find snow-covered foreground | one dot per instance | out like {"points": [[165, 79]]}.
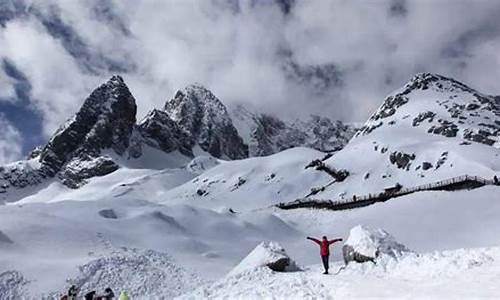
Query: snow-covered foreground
{"points": [[172, 249], [458, 274], [166, 232]]}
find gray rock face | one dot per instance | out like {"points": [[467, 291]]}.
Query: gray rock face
{"points": [[160, 131], [426, 165], [105, 121], [401, 160], [79, 169], [272, 135], [205, 119], [366, 244], [445, 128], [349, 254], [428, 115], [267, 134]]}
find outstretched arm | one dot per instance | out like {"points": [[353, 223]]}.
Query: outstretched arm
{"points": [[334, 241], [314, 240]]}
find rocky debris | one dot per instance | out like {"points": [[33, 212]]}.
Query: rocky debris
{"points": [[480, 136], [366, 129], [206, 121], [442, 160], [464, 105], [428, 115], [20, 175], [446, 128], [401, 160], [266, 254], [201, 192], [79, 169], [389, 107], [241, 181], [426, 165], [339, 175], [108, 214], [160, 131], [369, 244]]}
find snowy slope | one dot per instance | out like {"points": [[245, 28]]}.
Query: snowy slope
{"points": [[54, 239], [460, 274], [252, 183], [433, 128]]}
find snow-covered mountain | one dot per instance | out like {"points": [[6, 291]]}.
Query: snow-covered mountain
{"points": [[433, 128], [266, 134], [167, 216], [103, 136], [397, 145], [75, 152], [197, 111]]}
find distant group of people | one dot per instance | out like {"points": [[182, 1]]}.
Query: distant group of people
{"points": [[108, 294]]}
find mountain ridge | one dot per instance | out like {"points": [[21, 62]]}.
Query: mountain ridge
{"points": [[193, 122]]}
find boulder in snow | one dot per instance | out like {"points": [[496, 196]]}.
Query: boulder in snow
{"points": [[108, 214], [269, 254], [367, 244]]}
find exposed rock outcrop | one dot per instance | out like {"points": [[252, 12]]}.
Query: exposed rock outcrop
{"points": [[205, 119], [266, 254], [366, 244]]}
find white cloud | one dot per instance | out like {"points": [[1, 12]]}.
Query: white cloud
{"points": [[7, 91], [234, 52], [57, 84], [10, 142]]}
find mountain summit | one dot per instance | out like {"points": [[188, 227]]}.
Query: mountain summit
{"points": [[441, 106], [198, 112], [431, 129], [103, 136]]}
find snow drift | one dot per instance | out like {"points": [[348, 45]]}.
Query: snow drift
{"points": [[266, 254], [367, 244]]}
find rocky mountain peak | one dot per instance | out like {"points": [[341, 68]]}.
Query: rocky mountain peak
{"points": [[440, 106], [105, 121], [436, 82], [202, 115], [160, 131]]}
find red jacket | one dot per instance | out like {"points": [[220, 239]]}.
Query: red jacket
{"points": [[324, 245]]}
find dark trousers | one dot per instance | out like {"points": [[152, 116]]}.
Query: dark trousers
{"points": [[324, 258]]}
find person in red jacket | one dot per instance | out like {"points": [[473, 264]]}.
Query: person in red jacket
{"points": [[324, 249]]}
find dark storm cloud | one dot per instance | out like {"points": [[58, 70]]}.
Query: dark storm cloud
{"points": [[341, 57]]}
